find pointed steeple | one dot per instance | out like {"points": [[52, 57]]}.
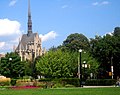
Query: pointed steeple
{"points": [[29, 20]]}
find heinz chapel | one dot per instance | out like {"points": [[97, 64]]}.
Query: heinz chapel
{"points": [[29, 46]]}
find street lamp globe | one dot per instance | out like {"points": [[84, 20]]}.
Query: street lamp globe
{"points": [[10, 59], [84, 62], [80, 50]]}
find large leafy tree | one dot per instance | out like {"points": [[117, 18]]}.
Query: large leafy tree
{"points": [[100, 49], [106, 50], [76, 41], [116, 31], [64, 64], [11, 66], [91, 65], [57, 64]]}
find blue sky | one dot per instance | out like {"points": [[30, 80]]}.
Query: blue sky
{"points": [[54, 20]]}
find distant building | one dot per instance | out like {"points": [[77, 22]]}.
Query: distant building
{"points": [[29, 46], [2, 55]]}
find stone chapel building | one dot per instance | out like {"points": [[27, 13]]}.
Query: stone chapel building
{"points": [[29, 46]]}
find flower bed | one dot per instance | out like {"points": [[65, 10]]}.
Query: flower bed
{"points": [[24, 87]]}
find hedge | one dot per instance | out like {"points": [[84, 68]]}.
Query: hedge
{"points": [[63, 81], [13, 82], [76, 81], [100, 82], [5, 82], [71, 81], [45, 80]]}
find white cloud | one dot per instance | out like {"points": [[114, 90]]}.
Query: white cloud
{"points": [[12, 2], [95, 3], [2, 44], [7, 46], [8, 27], [48, 36], [110, 33], [64, 6], [104, 3], [100, 3], [9, 34]]}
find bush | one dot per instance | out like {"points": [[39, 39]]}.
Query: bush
{"points": [[71, 81], [5, 82], [62, 81], [13, 82], [100, 82], [69, 85], [42, 85], [23, 80], [45, 80], [58, 85]]}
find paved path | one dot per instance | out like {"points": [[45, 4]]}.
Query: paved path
{"points": [[97, 86]]}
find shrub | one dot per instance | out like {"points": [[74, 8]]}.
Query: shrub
{"points": [[58, 85], [100, 82], [13, 82], [35, 83], [42, 85], [62, 81], [5, 82], [69, 85], [71, 81], [45, 80], [23, 80]]}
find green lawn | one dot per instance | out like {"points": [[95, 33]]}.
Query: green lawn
{"points": [[64, 91]]}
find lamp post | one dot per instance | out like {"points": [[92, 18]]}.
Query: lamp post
{"points": [[80, 50], [84, 62], [10, 59], [112, 66], [78, 68]]}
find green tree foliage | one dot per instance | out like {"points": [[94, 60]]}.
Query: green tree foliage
{"points": [[107, 50], [116, 31], [64, 64], [92, 65], [76, 41], [28, 68], [57, 64], [11, 66]]}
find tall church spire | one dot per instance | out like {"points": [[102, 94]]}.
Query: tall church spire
{"points": [[29, 20]]}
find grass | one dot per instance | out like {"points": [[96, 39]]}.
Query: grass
{"points": [[63, 91]]}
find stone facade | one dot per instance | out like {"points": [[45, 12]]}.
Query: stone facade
{"points": [[2, 55], [29, 46]]}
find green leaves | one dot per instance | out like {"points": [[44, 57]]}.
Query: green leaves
{"points": [[107, 47], [11, 66], [116, 31], [76, 41], [57, 64], [64, 64]]}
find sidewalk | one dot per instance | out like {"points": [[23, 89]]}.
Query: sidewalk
{"points": [[97, 86]]}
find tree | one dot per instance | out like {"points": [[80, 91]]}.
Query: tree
{"points": [[64, 64], [92, 65], [101, 49], [116, 31], [76, 41], [106, 50], [28, 68], [11, 66], [57, 64]]}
